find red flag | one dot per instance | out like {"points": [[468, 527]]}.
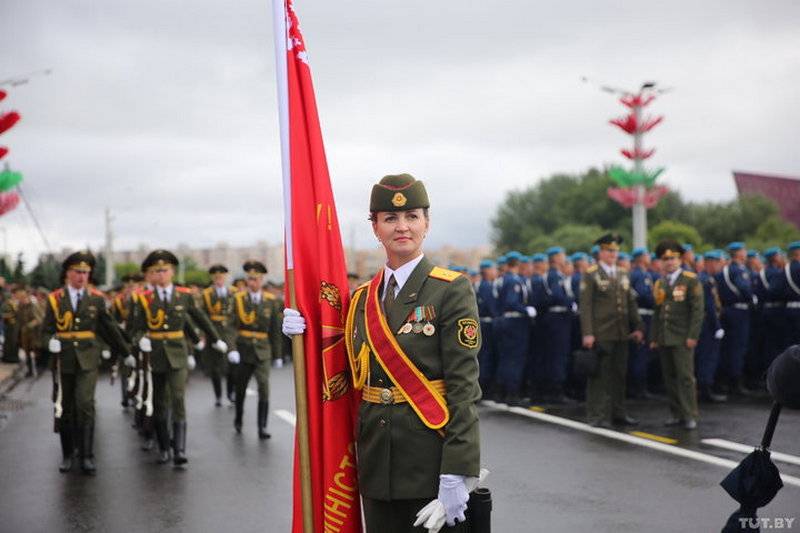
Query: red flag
{"points": [[314, 252]]}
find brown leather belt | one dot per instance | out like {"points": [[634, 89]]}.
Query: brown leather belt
{"points": [[392, 395], [164, 335], [260, 335], [75, 335]]}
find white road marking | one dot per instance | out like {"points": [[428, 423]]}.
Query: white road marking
{"points": [[630, 439], [737, 447], [286, 416]]}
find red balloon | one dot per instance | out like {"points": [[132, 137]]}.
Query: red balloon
{"points": [[8, 120], [3, 151]]}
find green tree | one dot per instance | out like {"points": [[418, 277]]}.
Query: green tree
{"points": [[721, 223], [46, 273], [193, 274], [5, 271], [125, 269], [671, 229], [774, 231], [573, 237], [18, 276]]}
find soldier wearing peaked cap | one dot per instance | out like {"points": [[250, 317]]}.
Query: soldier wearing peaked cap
{"points": [[256, 320], [609, 319], [76, 316], [674, 332], [162, 316], [413, 337], [217, 302]]}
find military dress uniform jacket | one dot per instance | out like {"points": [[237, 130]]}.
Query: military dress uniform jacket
{"points": [[608, 309], [78, 329], [679, 310], [167, 324], [400, 457], [219, 310], [258, 327]]}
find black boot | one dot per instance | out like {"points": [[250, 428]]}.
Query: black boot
{"points": [[738, 388], [707, 395], [162, 434], [179, 451], [237, 421], [216, 381], [67, 450], [230, 387], [263, 411], [87, 450]]}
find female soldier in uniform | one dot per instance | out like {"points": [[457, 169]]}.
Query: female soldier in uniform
{"points": [[413, 337]]}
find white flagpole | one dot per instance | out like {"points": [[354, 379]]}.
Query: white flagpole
{"points": [[279, 25]]}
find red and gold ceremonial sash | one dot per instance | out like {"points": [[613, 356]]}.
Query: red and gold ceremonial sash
{"points": [[426, 401]]}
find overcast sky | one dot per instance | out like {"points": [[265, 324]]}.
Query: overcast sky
{"points": [[165, 110]]}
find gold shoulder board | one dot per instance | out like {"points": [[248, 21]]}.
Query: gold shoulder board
{"points": [[444, 274]]}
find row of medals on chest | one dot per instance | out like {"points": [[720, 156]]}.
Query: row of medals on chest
{"points": [[419, 321]]}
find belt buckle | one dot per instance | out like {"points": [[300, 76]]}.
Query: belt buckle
{"points": [[386, 396]]}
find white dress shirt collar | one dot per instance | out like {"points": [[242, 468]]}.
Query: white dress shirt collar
{"points": [[672, 278], [401, 275], [166, 291], [255, 297], [610, 270], [73, 295]]}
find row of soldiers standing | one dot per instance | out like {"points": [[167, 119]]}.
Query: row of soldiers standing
{"points": [[153, 338], [531, 318]]}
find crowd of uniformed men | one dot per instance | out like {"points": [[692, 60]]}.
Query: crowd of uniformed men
{"points": [[149, 330], [737, 309], [598, 327]]}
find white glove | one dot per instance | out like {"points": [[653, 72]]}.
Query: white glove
{"points": [[130, 361], [201, 344], [191, 363], [54, 346], [574, 307], [719, 334], [531, 311], [22, 354], [755, 300], [454, 496], [433, 516], [105, 354], [293, 322], [220, 346], [234, 357], [145, 345]]}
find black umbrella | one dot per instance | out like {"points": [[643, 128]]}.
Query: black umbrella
{"points": [[754, 482]]}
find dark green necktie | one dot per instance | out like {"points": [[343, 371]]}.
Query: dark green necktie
{"points": [[388, 298]]}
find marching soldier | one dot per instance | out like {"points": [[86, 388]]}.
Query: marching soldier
{"points": [[707, 352], [217, 303], [642, 283], [161, 318], [736, 295], [609, 319], [76, 315], [121, 306], [29, 316], [257, 320], [675, 329]]}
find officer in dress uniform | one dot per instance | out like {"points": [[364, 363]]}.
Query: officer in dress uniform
{"points": [[159, 329], [790, 281], [736, 295], [515, 336], [677, 320], [76, 315], [774, 304], [609, 320], [217, 300], [557, 325], [642, 283], [257, 321], [487, 310], [711, 332]]}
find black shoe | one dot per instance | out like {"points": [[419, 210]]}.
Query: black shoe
{"points": [[179, 451], [600, 424], [87, 451], [707, 395], [163, 457], [162, 435], [67, 451], [263, 411], [218, 403], [625, 421], [148, 444], [672, 422]]}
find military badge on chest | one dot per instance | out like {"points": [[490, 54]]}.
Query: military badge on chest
{"points": [[625, 282], [420, 320], [679, 293]]}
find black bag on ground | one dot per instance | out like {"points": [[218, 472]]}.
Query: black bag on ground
{"points": [[585, 363]]}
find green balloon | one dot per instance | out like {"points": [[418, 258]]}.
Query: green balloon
{"points": [[9, 179]]}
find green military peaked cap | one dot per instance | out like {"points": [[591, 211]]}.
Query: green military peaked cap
{"points": [[399, 192]]}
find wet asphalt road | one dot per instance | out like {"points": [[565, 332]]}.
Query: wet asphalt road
{"points": [[544, 477]]}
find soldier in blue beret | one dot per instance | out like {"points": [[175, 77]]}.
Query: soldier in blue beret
{"points": [[534, 369], [688, 258], [774, 304], [576, 385], [736, 295], [790, 283], [640, 356], [559, 306], [624, 260], [755, 359], [711, 332], [487, 311]]}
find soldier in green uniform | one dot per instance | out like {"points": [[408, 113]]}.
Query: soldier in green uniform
{"points": [[413, 338], [10, 313], [609, 319], [159, 328], [675, 330], [217, 302], [257, 321], [76, 316]]}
